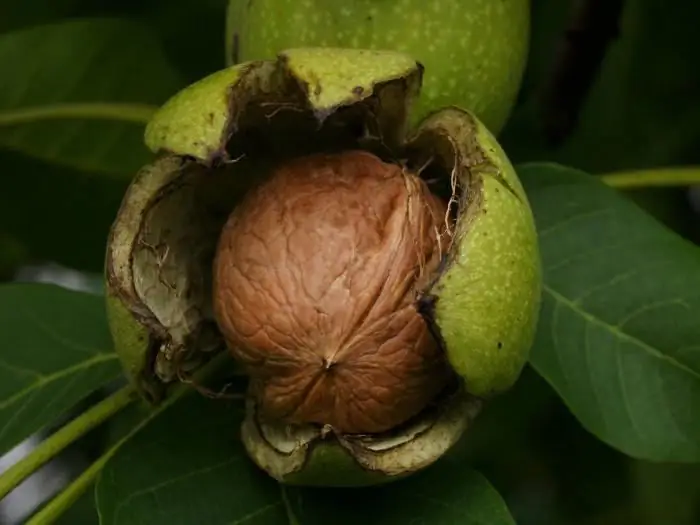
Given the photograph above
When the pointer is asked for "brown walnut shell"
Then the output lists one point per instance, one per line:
(315, 284)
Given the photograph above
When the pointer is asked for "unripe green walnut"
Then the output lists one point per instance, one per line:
(376, 284)
(474, 51)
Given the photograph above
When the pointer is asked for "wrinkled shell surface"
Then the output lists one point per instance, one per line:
(315, 284)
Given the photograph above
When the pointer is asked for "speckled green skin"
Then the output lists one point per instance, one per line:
(488, 300)
(194, 122)
(474, 51)
(129, 336)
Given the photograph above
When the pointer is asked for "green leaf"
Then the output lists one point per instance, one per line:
(56, 351)
(619, 334)
(187, 466)
(82, 512)
(446, 493)
(79, 92)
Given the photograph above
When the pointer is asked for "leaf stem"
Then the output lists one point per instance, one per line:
(63, 437)
(137, 113)
(57, 506)
(661, 177)
(291, 516)
(66, 498)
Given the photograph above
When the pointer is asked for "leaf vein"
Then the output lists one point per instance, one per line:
(572, 218)
(8, 424)
(96, 360)
(600, 248)
(674, 421)
(602, 286)
(619, 333)
(625, 394)
(591, 377)
(258, 512)
(647, 308)
(157, 486)
(57, 396)
(18, 369)
(41, 325)
(554, 327)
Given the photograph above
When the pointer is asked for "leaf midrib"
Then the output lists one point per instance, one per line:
(122, 112)
(619, 333)
(46, 379)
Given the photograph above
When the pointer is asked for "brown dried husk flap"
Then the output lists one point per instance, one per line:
(314, 456)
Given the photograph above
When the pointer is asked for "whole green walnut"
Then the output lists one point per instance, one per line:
(474, 51)
(376, 284)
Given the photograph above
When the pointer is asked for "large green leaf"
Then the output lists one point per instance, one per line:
(79, 92)
(187, 466)
(619, 336)
(55, 351)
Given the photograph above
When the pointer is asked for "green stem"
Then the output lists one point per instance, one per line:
(288, 507)
(58, 441)
(137, 113)
(661, 177)
(61, 503)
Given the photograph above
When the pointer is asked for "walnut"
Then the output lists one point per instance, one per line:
(319, 271)
(316, 279)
